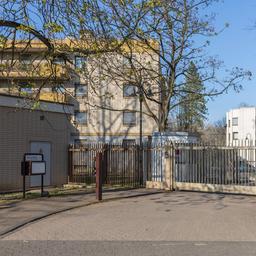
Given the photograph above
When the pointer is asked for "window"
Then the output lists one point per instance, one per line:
(80, 142)
(130, 60)
(25, 88)
(129, 90)
(228, 138)
(235, 135)
(25, 62)
(234, 121)
(129, 142)
(79, 62)
(81, 118)
(25, 59)
(129, 118)
(59, 60)
(228, 123)
(127, 61)
(81, 90)
(59, 89)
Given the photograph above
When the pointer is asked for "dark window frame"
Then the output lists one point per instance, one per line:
(81, 84)
(24, 87)
(236, 122)
(233, 137)
(27, 60)
(131, 123)
(131, 95)
(81, 123)
(80, 142)
(59, 89)
(83, 63)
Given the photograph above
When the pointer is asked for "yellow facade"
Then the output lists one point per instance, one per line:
(54, 97)
(40, 71)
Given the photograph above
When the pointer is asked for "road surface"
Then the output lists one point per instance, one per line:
(179, 223)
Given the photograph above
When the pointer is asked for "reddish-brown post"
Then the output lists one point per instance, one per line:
(99, 176)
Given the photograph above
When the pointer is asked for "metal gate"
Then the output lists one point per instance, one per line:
(214, 168)
(121, 164)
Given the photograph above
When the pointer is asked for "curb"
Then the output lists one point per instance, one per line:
(17, 227)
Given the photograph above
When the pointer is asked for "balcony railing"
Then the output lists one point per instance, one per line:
(34, 71)
(54, 97)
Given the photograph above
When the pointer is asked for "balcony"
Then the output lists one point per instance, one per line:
(54, 97)
(34, 71)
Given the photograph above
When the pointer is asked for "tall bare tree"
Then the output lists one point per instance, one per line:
(181, 34)
(215, 133)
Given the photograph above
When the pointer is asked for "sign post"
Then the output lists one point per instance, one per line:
(24, 185)
(42, 185)
(99, 176)
(33, 164)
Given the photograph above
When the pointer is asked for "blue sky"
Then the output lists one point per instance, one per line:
(236, 46)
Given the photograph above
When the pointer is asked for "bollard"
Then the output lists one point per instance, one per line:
(99, 176)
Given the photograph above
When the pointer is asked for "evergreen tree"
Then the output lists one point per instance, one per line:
(193, 110)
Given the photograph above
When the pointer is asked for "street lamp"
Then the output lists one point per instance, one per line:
(140, 93)
(141, 101)
(149, 93)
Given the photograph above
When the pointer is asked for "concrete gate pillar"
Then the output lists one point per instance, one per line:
(168, 163)
(168, 167)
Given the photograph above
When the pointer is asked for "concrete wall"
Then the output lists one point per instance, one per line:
(19, 127)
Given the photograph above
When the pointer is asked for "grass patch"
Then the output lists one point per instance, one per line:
(69, 189)
(58, 191)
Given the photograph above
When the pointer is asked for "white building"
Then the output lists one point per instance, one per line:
(241, 126)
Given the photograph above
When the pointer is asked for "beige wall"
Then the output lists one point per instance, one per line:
(18, 127)
(105, 78)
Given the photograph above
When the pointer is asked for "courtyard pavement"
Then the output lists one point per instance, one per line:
(18, 214)
(177, 216)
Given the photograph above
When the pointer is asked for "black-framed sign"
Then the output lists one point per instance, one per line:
(33, 157)
(33, 164)
(38, 168)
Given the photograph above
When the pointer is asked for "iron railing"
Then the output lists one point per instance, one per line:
(120, 164)
(192, 163)
(210, 164)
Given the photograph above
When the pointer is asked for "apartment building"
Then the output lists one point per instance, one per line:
(102, 88)
(241, 124)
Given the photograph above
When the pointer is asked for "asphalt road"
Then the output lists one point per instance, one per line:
(179, 223)
(149, 248)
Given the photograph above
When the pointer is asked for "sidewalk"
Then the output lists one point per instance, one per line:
(16, 215)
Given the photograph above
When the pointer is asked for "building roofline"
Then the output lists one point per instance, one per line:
(70, 44)
(251, 107)
(13, 101)
(24, 97)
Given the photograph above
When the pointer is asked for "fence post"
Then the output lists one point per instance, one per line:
(99, 176)
(149, 158)
(70, 164)
(105, 165)
(141, 165)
